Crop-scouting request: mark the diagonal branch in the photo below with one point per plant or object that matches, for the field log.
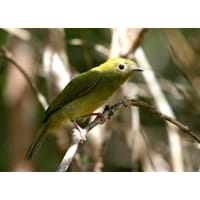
(163, 106)
(107, 113)
(38, 95)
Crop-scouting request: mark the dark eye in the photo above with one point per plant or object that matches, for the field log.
(121, 66)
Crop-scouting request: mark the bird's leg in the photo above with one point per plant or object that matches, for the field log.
(108, 108)
(76, 125)
(81, 131)
(98, 115)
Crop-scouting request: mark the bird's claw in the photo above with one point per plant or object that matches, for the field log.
(101, 118)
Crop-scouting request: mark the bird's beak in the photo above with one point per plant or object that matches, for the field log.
(138, 69)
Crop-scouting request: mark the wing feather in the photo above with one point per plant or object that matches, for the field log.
(79, 86)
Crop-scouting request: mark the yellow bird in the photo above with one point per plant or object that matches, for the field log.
(83, 95)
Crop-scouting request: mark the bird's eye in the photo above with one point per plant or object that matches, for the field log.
(121, 66)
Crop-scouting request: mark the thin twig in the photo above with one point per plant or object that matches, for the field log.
(38, 95)
(164, 117)
(107, 113)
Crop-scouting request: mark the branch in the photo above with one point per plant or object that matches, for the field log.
(164, 117)
(107, 113)
(38, 95)
(163, 106)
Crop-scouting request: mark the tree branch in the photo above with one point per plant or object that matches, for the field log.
(38, 95)
(176, 154)
(107, 113)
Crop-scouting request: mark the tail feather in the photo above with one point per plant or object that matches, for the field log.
(37, 142)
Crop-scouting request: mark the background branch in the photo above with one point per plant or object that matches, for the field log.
(38, 95)
(164, 107)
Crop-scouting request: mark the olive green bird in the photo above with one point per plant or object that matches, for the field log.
(83, 95)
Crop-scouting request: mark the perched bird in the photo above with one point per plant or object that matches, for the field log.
(83, 95)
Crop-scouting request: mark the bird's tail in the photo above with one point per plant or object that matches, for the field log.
(36, 142)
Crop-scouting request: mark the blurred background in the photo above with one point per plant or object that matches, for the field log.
(134, 139)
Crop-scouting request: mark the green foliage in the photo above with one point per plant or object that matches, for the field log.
(3, 37)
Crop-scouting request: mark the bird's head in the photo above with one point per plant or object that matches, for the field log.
(119, 66)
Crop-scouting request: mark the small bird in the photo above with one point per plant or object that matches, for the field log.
(83, 95)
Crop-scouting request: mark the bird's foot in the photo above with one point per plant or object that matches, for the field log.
(99, 116)
(110, 112)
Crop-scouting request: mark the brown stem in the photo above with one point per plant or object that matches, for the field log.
(39, 97)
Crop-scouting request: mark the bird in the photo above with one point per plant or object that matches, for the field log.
(83, 95)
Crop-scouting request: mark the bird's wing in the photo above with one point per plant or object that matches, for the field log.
(78, 87)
